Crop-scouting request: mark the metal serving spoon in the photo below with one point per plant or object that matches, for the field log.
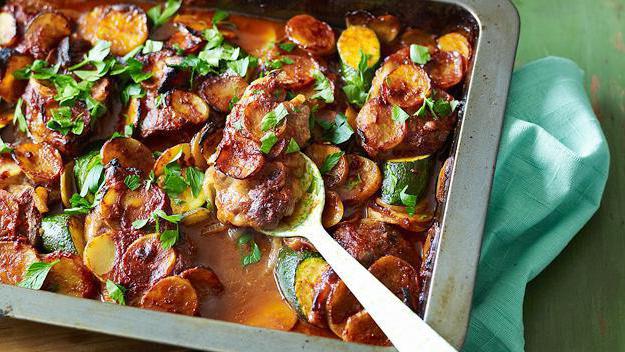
(401, 325)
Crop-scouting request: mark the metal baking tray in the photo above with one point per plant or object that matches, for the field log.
(463, 216)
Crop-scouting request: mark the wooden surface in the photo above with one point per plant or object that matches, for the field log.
(576, 304)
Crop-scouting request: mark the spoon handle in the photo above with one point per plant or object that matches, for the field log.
(401, 325)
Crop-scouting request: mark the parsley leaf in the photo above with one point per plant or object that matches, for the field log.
(254, 255)
(409, 200)
(140, 223)
(174, 218)
(323, 88)
(267, 142)
(18, 116)
(92, 180)
(288, 47)
(63, 122)
(195, 178)
(219, 16)
(438, 108)
(278, 63)
(292, 147)
(419, 54)
(398, 114)
(357, 81)
(174, 183)
(36, 274)
(330, 162)
(98, 53)
(116, 292)
(273, 118)
(151, 46)
(160, 15)
(338, 131)
(132, 182)
(133, 90)
(4, 148)
(239, 66)
(169, 238)
(79, 205)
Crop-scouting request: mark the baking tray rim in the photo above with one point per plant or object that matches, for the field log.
(451, 291)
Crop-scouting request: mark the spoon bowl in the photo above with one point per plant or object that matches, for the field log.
(405, 329)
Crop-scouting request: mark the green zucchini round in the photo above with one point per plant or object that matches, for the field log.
(63, 233)
(411, 172)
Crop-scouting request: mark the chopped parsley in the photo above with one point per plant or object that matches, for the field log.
(357, 81)
(116, 292)
(398, 114)
(267, 142)
(159, 15)
(409, 200)
(132, 182)
(18, 117)
(330, 162)
(36, 274)
(63, 122)
(288, 47)
(292, 147)
(278, 63)
(438, 108)
(78, 205)
(338, 131)
(5, 148)
(323, 88)
(219, 16)
(254, 254)
(151, 46)
(419, 54)
(195, 178)
(273, 118)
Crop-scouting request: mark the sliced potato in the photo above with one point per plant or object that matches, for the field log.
(186, 201)
(253, 113)
(239, 158)
(133, 113)
(172, 294)
(68, 184)
(41, 196)
(45, 32)
(419, 37)
(444, 176)
(361, 328)
(298, 73)
(177, 119)
(129, 152)
(204, 281)
(70, 277)
(121, 206)
(356, 40)
(204, 144)
(15, 258)
(333, 210)
(318, 154)
(386, 27)
(10, 172)
(399, 277)
(8, 29)
(363, 181)
(379, 131)
(341, 305)
(220, 92)
(395, 214)
(406, 86)
(180, 153)
(10, 87)
(311, 34)
(125, 26)
(457, 42)
(99, 255)
(189, 106)
(184, 39)
(446, 69)
(9, 210)
(41, 162)
(164, 76)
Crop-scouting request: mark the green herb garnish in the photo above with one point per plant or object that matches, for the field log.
(36, 274)
(132, 182)
(408, 200)
(323, 88)
(419, 54)
(267, 142)
(292, 147)
(254, 254)
(273, 118)
(398, 114)
(330, 162)
(116, 292)
(160, 15)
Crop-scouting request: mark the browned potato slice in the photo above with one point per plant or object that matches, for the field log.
(363, 181)
(204, 281)
(311, 34)
(70, 277)
(333, 210)
(442, 184)
(239, 157)
(379, 132)
(189, 106)
(406, 86)
(184, 39)
(358, 18)
(204, 144)
(39, 161)
(129, 152)
(133, 113)
(178, 117)
(9, 210)
(164, 77)
(253, 113)
(182, 151)
(361, 328)
(299, 73)
(45, 32)
(172, 294)
(99, 255)
(10, 172)
(340, 306)
(395, 214)
(145, 262)
(318, 154)
(386, 27)
(446, 69)
(220, 92)
(125, 26)
(399, 277)
(15, 258)
(321, 291)
(8, 29)
(457, 42)
(10, 87)
(419, 37)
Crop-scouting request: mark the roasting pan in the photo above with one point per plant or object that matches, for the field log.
(462, 218)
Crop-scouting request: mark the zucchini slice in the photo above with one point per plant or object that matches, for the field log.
(172, 294)
(413, 173)
(63, 233)
(356, 40)
(297, 273)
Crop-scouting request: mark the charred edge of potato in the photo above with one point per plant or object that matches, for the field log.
(129, 152)
(406, 86)
(239, 158)
(10, 87)
(41, 162)
(299, 73)
(442, 184)
(361, 328)
(341, 305)
(45, 32)
(311, 34)
(363, 181)
(399, 277)
(172, 294)
(446, 69)
(318, 153)
(15, 258)
(184, 39)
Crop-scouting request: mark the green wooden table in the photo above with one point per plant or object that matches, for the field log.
(578, 302)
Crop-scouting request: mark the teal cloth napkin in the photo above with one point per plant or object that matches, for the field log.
(551, 172)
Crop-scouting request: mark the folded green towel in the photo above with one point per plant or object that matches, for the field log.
(551, 172)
